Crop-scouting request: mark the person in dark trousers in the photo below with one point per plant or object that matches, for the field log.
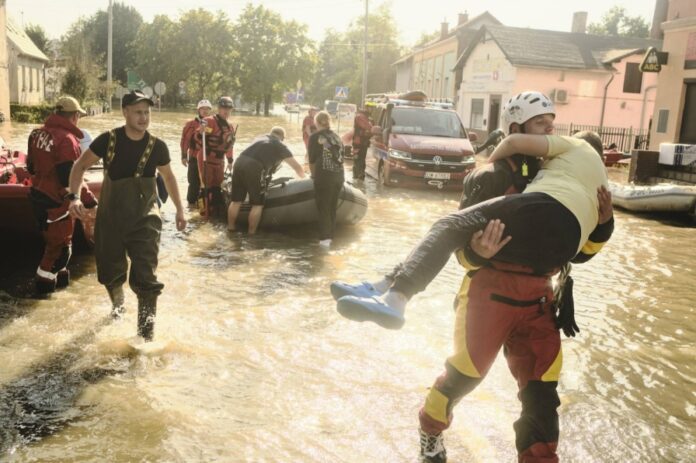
(190, 149)
(362, 132)
(128, 218)
(252, 173)
(326, 165)
(53, 149)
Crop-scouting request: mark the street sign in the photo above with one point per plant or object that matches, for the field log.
(160, 88)
(121, 91)
(651, 61)
(148, 91)
(182, 84)
(342, 93)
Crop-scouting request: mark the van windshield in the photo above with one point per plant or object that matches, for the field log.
(425, 121)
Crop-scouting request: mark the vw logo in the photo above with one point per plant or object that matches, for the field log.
(437, 160)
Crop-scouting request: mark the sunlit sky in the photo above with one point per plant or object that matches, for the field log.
(412, 17)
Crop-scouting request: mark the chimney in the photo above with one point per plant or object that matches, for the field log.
(659, 16)
(444, 29)
(579, 22)
(463, 18)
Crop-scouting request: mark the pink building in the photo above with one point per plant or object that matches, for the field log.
(594, 80)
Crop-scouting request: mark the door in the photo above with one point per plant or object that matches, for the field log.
(687, 133)
(494, 112)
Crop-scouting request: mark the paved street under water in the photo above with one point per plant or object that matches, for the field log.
(253, 363)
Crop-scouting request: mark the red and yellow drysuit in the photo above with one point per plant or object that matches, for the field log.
(219, 143)
(508, 306)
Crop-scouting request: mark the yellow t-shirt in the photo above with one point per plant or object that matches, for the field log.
(571, 173)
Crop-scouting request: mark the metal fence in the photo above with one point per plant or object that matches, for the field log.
(625, 139)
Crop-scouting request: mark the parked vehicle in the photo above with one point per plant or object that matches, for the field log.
(331, 107)
(418, 144)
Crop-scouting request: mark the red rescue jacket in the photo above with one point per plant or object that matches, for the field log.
(219, 138)
(362, 130)
(190, 144)
(55, 143)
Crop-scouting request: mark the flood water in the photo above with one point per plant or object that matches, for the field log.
(252, 363)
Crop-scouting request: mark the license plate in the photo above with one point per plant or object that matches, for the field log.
(438, 175)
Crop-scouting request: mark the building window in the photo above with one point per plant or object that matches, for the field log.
(476, 121)
(633, 79)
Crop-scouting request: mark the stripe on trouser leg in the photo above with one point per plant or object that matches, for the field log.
(461, 360)
(554, 371)
(45, 274)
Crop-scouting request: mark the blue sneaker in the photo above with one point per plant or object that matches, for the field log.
(362, 309)
(364, 289)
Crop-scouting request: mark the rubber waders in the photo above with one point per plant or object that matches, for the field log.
(147, 309)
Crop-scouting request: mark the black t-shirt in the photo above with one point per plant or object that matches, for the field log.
(268, 151)
(128, 153)
(325, 150)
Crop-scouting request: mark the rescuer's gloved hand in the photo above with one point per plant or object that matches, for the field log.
(565, 320)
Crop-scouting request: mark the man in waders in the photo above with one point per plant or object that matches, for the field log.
(509, 306)
(219, 145)
(53, 148)
(190, 147)
(128, 218)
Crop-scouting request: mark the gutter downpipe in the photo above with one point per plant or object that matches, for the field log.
(642, 109)
(604, 103)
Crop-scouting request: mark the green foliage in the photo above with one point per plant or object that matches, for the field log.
(341, 58)
(74, 84)
(616, 22)
(273, 54)
(37, 34)
(30, 114)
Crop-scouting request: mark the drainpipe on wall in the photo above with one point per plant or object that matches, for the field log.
(642, 108)
(604, 102)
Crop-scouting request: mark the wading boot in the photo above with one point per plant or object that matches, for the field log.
(63, 278)
(44, 286)
(432, 448)
(147, 309)
(117, 301)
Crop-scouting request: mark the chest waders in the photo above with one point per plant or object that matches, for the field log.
(129, 225)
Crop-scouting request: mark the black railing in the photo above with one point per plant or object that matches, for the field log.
(625, 139)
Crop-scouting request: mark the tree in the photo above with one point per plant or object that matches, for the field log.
(74, 83)
(156, 54)
(616, 22)
(204, 52)
(341, 58)
(37, 34)
(273, 55)
(126, 23)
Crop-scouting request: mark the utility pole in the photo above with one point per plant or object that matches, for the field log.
(109, 52)
(364, 77)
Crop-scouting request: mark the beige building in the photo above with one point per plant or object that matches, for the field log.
(674, 120)
(26, 64)
(4, 78)
(430, 67)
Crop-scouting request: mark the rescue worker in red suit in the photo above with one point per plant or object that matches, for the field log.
(362, 131)
(308, 126)
(53, 149)
(190, 147)
(505, 305)
(219, 143)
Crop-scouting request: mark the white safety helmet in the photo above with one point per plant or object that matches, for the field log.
(524, 106)
(204, 104)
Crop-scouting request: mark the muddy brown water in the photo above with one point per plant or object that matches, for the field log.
(252, 363)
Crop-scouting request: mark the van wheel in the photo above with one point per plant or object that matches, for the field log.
(381, 175)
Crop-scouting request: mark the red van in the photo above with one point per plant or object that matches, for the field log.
(419, 144)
